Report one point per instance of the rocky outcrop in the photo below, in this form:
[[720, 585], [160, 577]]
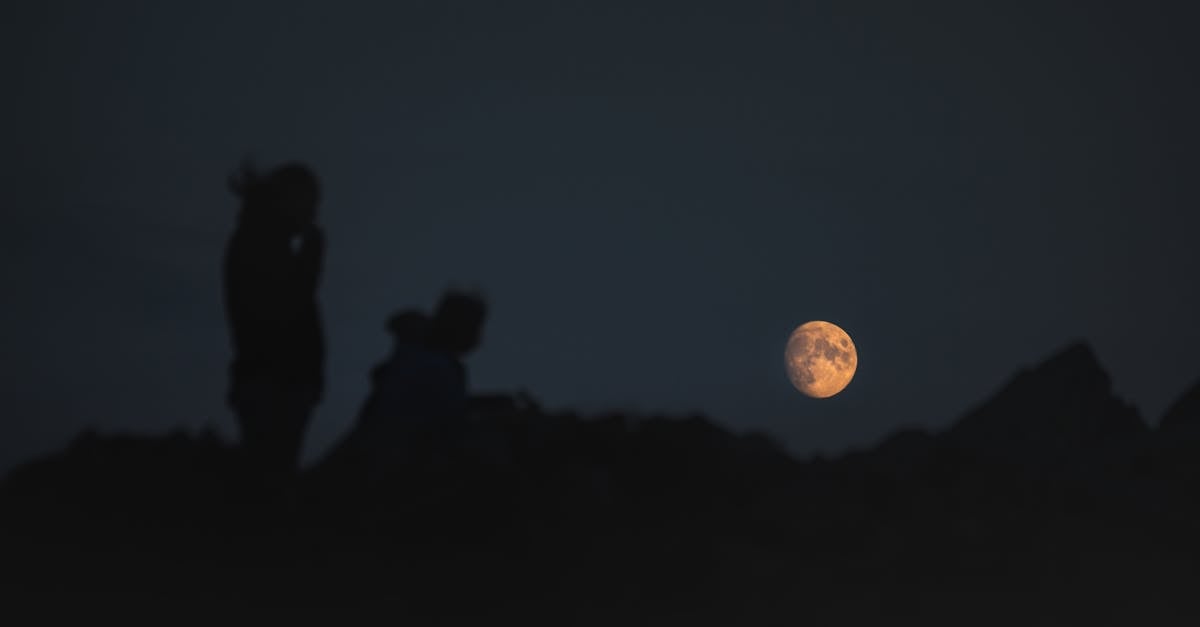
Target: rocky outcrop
[[1182, 419], [1053, 412]]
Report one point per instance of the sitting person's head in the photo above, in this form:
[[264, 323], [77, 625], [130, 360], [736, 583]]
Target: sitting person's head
[[457, 325], [409, 327]]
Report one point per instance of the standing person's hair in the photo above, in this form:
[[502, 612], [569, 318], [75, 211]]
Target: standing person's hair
[[287, 196]]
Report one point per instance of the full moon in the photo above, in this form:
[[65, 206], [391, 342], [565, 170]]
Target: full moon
[[820, 359]]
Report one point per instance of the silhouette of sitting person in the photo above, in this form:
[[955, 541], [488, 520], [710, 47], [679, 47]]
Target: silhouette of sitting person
[[418, 401], [272, 267]]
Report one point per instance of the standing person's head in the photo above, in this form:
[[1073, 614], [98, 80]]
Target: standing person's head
[[457, 325], [284, 199]]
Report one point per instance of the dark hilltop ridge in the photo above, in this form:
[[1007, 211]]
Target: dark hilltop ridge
[[1052, 502]]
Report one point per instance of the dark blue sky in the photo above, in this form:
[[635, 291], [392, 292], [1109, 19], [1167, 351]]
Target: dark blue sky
[[653, 195]]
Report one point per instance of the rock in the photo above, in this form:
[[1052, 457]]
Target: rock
[[1182, 419], [1061, 409]]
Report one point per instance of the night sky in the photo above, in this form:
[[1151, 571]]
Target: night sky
[[652, 195]]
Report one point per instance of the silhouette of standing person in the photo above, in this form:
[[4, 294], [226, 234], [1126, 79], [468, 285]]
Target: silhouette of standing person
[[271, 271]]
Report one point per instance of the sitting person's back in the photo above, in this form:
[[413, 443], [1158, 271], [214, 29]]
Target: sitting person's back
[[418, 403]]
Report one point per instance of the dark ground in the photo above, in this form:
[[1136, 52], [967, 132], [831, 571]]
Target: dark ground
[[1052, 503]]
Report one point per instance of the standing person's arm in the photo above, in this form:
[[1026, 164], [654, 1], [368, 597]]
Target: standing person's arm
[[310, 259], [257, 300]]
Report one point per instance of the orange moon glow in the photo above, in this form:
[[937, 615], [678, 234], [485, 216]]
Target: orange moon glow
[[820, 358]]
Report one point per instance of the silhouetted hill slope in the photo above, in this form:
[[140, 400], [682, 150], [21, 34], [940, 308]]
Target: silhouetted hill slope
[[1182, 418], [1060, 409], [527, 458], [556, 519]]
